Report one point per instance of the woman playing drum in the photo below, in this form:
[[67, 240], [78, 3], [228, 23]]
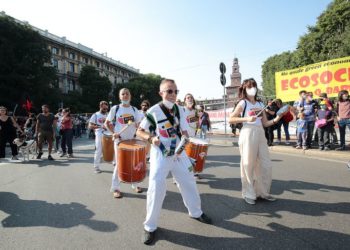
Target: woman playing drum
[[126, 119]]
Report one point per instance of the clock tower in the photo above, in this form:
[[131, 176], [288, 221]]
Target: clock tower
[[236, 79]]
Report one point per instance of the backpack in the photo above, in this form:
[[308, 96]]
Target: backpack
[[240, 125]]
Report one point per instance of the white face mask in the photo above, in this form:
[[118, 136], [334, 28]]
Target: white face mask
[[251, 91], [345, 97], [168, 104], [125, 102]]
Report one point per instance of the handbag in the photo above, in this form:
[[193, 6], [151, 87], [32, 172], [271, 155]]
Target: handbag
[[321, 123]]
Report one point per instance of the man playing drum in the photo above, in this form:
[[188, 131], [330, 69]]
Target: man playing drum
[[162, 129], [96, 123], [126, 119]]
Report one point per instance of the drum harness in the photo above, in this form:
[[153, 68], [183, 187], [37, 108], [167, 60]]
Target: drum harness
[[174, 131], [115, 113]]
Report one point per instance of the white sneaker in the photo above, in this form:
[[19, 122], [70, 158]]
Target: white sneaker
[[14, 158], [287, 143], [277, 142], [98, 171]]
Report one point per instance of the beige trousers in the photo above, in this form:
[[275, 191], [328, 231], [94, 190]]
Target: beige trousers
[[256, 172]]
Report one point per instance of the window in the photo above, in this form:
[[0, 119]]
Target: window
[[71, 85], [71, 67], [97, 64], [71, 55], [55, 50], [55, 63], [85, 60]]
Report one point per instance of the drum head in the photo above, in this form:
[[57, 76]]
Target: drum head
[[198, 141], [132, 144], [284, 109], [107, 133]]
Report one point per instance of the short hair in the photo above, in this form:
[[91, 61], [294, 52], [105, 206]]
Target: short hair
[[103, 102], [146, 102], [164, 81], [302, 92], [45, 106]]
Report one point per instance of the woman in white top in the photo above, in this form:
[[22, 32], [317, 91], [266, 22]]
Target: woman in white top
[[256, 174], [191, 114], [121, 115]]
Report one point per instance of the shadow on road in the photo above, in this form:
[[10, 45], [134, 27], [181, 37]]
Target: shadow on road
[[32, 213], [223, 209], [277, 237]]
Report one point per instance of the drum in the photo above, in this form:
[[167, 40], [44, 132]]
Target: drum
[[283, 110], [107, 146], [197, 149], [131, 160]]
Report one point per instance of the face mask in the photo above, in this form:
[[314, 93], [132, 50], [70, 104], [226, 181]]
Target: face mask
[[251, 91], [303, 96], [125, 102], [345, 97], [168, 104]]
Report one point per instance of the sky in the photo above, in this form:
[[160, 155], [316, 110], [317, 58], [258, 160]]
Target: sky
[[184, 40]]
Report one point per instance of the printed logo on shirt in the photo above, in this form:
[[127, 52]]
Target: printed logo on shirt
[[254, 111], [124, 119], [165, 130], [101, 120], [191, 119]]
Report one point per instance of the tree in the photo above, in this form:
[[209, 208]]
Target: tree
[[142, 87], [328, 39], [24, 70], [94, 87]]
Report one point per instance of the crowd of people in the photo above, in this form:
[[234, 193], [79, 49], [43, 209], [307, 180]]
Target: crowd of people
[[316, 121], [165, 125]]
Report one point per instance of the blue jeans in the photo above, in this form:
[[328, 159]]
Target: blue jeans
[[310, 132], [343, 123], [203, 134], [286, 131], [67, 138]]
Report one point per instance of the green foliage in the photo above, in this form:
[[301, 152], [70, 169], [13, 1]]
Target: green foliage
[[328, 39], [94, 88], [23, 71], [145, 86]]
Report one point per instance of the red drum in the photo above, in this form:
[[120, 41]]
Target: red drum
[[197, 149], [131, 160], [107, 146]]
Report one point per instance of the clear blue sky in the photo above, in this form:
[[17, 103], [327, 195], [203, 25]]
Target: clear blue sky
[[183, 39]]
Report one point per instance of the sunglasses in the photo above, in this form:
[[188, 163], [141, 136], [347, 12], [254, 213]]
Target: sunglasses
[[170, 91], [144, 105]]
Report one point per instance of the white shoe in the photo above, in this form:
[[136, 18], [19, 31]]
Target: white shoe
[[14, 158], [249, 201], [287, 143], [98, 171]]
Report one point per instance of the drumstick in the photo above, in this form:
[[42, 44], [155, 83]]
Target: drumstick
[[265, 108], [123, 129]]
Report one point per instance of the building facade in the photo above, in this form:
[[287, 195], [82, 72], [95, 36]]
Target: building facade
[[69, 58]]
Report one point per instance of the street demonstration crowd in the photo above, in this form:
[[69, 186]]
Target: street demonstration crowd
[[173, 138], [316, 121]]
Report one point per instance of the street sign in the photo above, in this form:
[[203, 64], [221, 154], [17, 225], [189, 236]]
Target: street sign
[[222, 68], [223, 80]]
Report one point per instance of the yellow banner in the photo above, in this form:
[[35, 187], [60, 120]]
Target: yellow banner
[[324, 77]]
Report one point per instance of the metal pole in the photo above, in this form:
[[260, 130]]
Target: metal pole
[[225, 108]]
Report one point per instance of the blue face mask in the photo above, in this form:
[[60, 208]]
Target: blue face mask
[[125, 102]]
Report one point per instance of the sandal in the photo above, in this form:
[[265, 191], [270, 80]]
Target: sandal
[[138, 190]]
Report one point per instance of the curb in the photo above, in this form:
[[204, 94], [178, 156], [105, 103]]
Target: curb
[[288, 149]]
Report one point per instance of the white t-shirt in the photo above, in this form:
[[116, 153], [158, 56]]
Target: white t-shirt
[[251, 110], [98, 118], [192, 120], [163, 125], [122, 118]]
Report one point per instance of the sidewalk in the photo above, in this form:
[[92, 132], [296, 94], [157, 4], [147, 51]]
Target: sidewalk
[[228, 140]]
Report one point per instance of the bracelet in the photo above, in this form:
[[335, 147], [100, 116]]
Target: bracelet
[[149, 139]]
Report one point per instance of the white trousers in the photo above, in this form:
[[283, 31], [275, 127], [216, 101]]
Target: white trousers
[[181, 169], [256, 172], [115, 178], [98, 150]]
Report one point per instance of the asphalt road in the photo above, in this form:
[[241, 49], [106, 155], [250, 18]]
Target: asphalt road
[[64, 205]]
